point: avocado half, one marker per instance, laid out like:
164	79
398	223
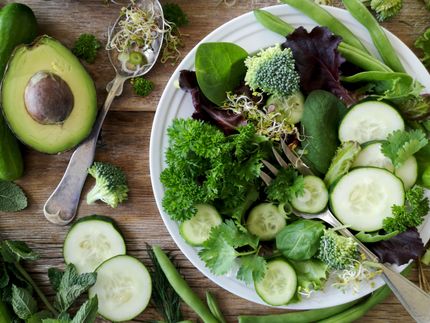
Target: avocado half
49	100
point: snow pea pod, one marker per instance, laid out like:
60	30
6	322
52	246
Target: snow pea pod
351	54
359	11
324	18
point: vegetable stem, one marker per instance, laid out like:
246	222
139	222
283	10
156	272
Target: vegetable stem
182	288
214	307
42	296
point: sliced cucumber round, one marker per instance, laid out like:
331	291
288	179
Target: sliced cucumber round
315	196
265	221
92	240
371	155
370	120
279	284
123	288
196	230
363	198
290	108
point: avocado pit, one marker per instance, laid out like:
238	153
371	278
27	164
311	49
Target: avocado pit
48	98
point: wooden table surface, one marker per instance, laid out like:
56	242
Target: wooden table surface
126	135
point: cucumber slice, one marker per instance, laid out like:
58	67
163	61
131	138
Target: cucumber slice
314	198
370	120
371	155
363	198
196	230
92	240
123	288
290	108
279	284
265	221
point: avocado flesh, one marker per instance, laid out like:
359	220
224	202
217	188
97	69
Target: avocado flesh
49	55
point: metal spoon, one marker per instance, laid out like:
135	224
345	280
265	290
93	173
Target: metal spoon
61	206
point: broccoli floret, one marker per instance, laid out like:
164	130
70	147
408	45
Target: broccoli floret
142	86
272	70
173	13
86	47
111	184
337	251
386	9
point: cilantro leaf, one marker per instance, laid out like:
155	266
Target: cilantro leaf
401	145
252	267
87	313
409	215
23	303
12	197
286	185
71	286
219	251
15	251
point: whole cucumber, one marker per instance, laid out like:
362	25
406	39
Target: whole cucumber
18	25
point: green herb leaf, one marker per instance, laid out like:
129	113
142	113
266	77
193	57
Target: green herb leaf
311	275
286	185
409	215
401	145
88	311
371	237
219	69
72	285
300	240
39	317
252	267
55	275
12	197
56	321
423	43
4	276
15	251
23	303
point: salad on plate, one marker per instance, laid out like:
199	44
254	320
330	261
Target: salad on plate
360	124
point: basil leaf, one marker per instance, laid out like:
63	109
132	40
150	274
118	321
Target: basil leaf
300	240
23	303
12	198
15	251
219	69
88	311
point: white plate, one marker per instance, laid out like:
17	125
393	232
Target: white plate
252	36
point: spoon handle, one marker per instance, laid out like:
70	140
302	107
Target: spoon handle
61	206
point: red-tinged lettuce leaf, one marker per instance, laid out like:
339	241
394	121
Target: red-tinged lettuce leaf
400	248
318	61
205	110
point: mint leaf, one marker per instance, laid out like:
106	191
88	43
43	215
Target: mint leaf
39	317
12	198
71	286
15	251
4	276
55	275
23	303
88	311
252	267
401	145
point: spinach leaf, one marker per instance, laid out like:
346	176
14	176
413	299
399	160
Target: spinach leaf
71	286
370	237
23	303
12	198
219	68
321	117
300	240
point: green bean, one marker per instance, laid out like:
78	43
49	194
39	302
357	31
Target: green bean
182	288
324	18
359	11
351	54
299	317
214	307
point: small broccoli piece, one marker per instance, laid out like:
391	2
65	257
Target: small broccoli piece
142	86
86	47
336	251
272	70
111	184
386	9
173	13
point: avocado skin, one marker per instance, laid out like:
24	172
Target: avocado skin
42	137
18	25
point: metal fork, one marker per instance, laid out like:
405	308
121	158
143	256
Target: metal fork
414	299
